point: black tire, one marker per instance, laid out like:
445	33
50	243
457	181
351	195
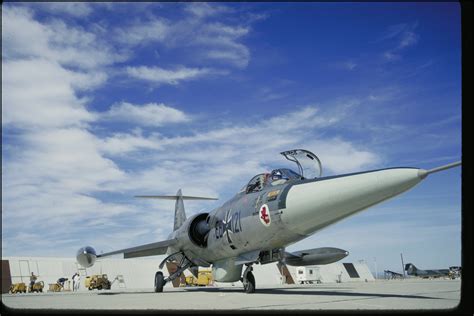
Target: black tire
99	287
159	282
249	285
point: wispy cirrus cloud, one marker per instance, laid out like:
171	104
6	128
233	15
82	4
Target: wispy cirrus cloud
75	9
144	33
158	75
203	9
401	36
150	114
201	29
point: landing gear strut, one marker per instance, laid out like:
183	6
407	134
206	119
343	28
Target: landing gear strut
181	262
248	280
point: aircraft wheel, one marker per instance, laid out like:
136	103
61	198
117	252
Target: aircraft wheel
159	282
249	283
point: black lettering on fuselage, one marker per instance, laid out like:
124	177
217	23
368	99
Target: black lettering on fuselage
231	224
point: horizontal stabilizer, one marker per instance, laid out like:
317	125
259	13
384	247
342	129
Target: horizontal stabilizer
174	197
153	249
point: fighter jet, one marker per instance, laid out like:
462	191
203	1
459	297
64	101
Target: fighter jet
412	270
273	210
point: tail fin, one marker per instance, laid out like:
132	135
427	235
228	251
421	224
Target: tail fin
179	213
410	268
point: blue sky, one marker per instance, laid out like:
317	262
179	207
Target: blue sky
105	101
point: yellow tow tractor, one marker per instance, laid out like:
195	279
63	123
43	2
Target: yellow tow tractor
204	279
37	287
98	281
17	288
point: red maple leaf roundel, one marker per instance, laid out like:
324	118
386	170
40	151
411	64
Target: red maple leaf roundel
264	214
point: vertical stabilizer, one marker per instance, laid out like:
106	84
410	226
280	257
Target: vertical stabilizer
179	213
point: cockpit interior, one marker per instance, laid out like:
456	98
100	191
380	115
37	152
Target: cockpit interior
308	165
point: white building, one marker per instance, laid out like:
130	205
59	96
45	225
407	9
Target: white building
139	273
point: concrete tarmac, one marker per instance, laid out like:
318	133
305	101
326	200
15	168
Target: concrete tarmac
382	294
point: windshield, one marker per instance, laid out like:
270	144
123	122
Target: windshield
276	177
258	182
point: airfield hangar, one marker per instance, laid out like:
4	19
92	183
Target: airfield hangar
139	273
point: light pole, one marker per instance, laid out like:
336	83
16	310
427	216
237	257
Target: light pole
376	271
403	266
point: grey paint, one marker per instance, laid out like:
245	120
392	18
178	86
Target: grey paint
261	222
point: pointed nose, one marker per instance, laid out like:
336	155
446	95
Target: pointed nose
316	204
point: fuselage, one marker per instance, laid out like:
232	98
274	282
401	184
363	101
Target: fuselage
283	213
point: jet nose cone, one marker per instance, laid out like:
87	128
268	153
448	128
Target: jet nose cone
422	173
313	205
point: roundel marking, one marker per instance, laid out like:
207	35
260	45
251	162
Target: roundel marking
264	215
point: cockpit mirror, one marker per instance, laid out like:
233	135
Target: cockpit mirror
309	165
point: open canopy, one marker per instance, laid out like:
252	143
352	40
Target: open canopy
309	167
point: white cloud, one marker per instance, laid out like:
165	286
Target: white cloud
59	173
151	114
345	65
198	32
52	163
155	30
159	75
402	36
76	9
23	37
44	97
203	9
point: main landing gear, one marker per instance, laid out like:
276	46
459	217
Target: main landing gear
248	280
159	281
182	264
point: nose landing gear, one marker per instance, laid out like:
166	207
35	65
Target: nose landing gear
248	280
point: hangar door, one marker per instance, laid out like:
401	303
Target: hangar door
6	276
351	270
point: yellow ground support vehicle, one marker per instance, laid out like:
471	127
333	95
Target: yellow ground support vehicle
98	281
55	287
204	279
37	287
18	288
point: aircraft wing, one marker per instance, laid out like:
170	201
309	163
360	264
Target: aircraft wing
153	249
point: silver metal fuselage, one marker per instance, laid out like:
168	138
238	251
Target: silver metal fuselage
296	209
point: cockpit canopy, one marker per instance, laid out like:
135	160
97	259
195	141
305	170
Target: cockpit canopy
277	176
309	167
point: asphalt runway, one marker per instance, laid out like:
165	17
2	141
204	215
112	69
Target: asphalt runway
381	294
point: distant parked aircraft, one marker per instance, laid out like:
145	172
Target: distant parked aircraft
412	270
392	275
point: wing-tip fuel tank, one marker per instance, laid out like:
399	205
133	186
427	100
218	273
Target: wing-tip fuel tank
316	256
86	256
